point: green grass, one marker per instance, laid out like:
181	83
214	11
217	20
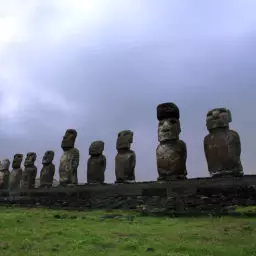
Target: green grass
25	232
246	209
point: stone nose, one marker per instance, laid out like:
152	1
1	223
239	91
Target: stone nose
165	127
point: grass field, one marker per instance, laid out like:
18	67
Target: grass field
25	232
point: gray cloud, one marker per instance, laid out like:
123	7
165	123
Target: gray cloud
105	72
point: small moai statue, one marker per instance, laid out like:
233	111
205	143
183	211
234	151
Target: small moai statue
96	164
48	170
30	171
125	160
222	146
69	160
4	173
16	173
171	153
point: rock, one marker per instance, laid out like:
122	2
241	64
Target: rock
222	146
96	164
125	160
171	153
48	170
30	171
70	159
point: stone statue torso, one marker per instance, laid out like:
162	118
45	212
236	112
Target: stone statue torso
29	177
47	174
222	151
125	165
68	166
4	179
171	159
15	178
96	166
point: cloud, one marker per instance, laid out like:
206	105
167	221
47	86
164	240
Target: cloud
103	66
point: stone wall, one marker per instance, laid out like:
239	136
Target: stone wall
185	197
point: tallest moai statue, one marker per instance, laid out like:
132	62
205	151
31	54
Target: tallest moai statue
171	153
222	146
70	159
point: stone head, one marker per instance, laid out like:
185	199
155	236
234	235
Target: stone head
124	139
17	160
96	148
218	118
168	129
48	157
30	159
168	115
4	164
167	110
69	139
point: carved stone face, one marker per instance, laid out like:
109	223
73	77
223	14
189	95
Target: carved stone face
96	148
4	164
168	129
69	139
30	159
16	162
48	157
217	118
124	139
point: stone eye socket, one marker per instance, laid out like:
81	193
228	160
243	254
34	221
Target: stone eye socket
173	122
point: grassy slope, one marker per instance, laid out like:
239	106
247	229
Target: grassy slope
25	232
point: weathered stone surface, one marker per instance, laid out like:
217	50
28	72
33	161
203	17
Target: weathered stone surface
222	146
30	171
171	153
125	160
96	164
4	173
55	183
190	197
16	173
69	161
171	160
48	170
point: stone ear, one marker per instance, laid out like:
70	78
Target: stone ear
229	116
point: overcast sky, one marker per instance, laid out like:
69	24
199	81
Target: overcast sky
103	66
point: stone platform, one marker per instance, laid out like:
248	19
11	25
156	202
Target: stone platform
185	197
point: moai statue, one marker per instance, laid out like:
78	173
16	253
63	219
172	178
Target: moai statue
171	153
16	173
96	164
4	173
125	160
48	170
69	160
222	146
30	171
